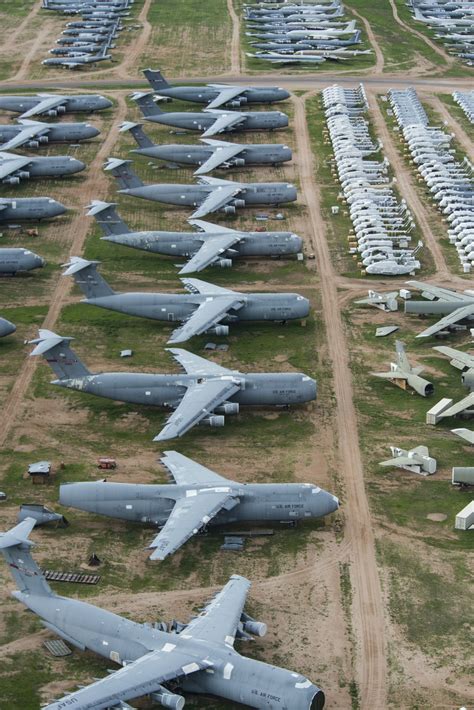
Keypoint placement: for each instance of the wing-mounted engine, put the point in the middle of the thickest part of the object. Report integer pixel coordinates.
(248, 628)
(167, 699)
(468, 379)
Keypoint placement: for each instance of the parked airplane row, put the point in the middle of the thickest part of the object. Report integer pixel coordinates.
(449, 181)
(88, 40)
(381, 223)
(452, 22)
(160, 661)
(302, 34)
(465, 99)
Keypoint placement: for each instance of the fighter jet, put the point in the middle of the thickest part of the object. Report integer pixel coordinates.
(402, 374)
(19, 209)
(456, 307)
(53, 104)
(213, 245)
(461, 361)
(198, 657)
(17, 259)
(6, 327)
(33, 134)
(208, 194)
(417, 460)
(198, 497)
(207, 308)
(384, 301)
(75, 61)
(203, 395)
(213, 154)
(210, 121)
(14, 168)
(216, 95)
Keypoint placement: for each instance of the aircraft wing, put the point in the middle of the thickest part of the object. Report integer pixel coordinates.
(222, 154)
(465, 434)
(198, 403)
(187, 472)
(189, 515)
(223, 121)
(430, 291)
(391, 375)
(226, 94)
(195, 365)
(47, 103)
(450, 319)
(208, 315)
(220, 196)
(399, 461)
(143, 676)
(10, 165)
(219, 620)
(457, 358)
(26, 134)
(211, 249)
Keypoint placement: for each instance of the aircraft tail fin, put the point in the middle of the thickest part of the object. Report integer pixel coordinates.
(59, 356)
(136, 129)
(106, 215)
(156, 79)
(146, 104)
(402, 356)
(14, 546)
(123, 173)
(86, 276)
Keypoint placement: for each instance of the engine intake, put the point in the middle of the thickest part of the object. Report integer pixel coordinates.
(167, 699)
(228, 408)
(225, 263)
(251, 626)
(229, 209)
(239, 162)
(214, 421)
(420, 385)
(11, 181)
(33, 145)
(239, 203)
(219, 330)
(43, 139)
(468, 379)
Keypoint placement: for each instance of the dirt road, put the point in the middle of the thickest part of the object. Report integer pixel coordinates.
(235, 67)
(406, 185)
(367, 612)
(461, 136)
(96, 184)
(136, 49)
(408, 28)
(380, 60)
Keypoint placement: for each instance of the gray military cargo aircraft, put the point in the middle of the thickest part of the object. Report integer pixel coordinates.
(75, 60)
(208, 194)
(33, 134)
(19, 209)
(204, 394)
(6, 327)
(17, 259)
(402, 374)
(198, 497)
(213, 154)
(455, 307)
(216, 95)
(14, 168)
(53, 104)
(212, 245)
(198, 657)
(210, 121)
(205, 309)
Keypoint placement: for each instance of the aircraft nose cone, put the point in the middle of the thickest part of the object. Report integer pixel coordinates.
(56, 208)
(6, 328)
(284, 94)
(332, 503)
(39, 263)
(92, 132)
(105, 103)
(75, 166)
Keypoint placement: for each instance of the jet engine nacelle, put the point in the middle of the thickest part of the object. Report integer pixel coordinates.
(420, 385)
(52, 112)
(251, 626)
(225, 263)
(239, 162)
(214, 420)
(167, 699)
(11, 181)
(33, 145)
(61, 109)
(23, 174)
(219, 330)
(228, 408)
(229, 209)
(43, 139)
(239, 203)
(468, 379)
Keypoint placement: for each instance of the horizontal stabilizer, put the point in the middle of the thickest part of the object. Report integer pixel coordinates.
(46, 341)
(76, 264)
(18, 535)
